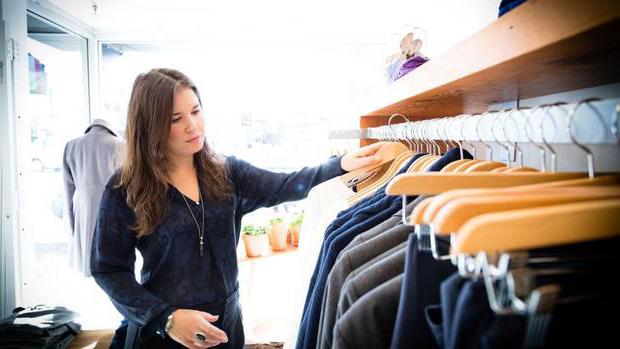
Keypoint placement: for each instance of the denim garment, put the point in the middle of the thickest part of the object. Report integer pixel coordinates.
(174, 275)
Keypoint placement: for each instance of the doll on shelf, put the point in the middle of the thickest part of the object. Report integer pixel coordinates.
(408, 59)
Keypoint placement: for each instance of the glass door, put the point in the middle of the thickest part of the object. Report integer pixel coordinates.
(57, 111)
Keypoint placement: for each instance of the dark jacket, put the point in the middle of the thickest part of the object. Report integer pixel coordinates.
(174, 275)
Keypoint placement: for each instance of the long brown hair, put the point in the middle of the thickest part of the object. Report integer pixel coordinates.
(144, 171)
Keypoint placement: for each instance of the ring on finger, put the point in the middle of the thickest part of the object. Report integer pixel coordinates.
(201, 337)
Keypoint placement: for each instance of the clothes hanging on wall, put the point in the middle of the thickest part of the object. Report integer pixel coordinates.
(88, 163)
(379, 284)
(365, 215)
(323, 203)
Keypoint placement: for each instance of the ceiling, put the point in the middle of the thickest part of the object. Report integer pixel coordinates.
(320, 21)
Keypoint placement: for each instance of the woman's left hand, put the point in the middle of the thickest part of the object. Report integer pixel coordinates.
(364, 156)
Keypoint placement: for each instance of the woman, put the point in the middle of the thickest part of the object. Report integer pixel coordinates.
(181, 205)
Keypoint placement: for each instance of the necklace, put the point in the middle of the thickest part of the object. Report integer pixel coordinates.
(200, 231)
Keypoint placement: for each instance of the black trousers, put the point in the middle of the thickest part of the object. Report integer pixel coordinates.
(230, 321)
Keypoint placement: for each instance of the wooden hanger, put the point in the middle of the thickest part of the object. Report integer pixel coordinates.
(442, 199)
(484, 166)
(419, 163)
(464, 166)
(453, 215)
(418, 211)
(388, 152)
(414, 184)
(395, 166)
(539, 227)
(513, 169)
(520, 169)
(453, 165)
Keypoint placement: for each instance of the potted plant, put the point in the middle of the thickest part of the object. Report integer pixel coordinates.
(294, 229)
(254, 240)
(278, 231)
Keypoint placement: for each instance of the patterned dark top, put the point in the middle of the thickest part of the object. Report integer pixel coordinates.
(174, 275)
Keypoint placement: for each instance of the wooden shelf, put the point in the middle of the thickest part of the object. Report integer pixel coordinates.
(540, 48)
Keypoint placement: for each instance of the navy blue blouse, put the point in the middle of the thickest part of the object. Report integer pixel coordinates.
(174, 275)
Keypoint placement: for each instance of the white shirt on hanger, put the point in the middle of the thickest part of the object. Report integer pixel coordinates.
(323, 204)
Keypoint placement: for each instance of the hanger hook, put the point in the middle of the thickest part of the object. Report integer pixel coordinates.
(466, 118)
(573, 138)
(516, 125)
(489, 149)
(417, 136)
(497, 117)
(547, 113)
(543, 163)
(396, 138)
(427, 133)
(436, 134)
(447, 121)
(412, 136)
(441, 132)
(420, 132)
(402, 135)
(450, 133)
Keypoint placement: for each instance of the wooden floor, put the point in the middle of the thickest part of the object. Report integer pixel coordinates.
(93, 339)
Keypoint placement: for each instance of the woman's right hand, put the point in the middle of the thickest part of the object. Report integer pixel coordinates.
(187, 322)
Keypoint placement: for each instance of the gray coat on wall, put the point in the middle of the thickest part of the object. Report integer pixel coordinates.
(88, 162)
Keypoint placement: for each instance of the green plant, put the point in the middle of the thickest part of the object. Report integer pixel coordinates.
(298, 220)
(250, 229)
(276, 220)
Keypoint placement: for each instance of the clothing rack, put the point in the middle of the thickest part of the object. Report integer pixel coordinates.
(597, 122)
(516, 84)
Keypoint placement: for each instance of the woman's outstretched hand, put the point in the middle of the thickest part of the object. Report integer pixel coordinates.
(364, 156)
(188, 322)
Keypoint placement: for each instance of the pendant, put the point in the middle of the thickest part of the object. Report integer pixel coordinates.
(201, 247)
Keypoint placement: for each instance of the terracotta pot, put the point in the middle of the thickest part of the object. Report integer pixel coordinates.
(294, 235)
(277, 236)
(254, 244)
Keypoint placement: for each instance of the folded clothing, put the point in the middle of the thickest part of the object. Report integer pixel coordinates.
(41, 326)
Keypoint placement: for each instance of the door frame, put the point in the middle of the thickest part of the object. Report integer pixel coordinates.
(14, 129)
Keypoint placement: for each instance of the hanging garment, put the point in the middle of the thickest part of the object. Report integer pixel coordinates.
(364, 248)
(323, 204)
(354, 330)
(338, 239)
(353, 215)
(369, 276)
(345, 216)
(467, 320)
(421, 287)
(380, 231)
(171, 280)
(88, 163)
